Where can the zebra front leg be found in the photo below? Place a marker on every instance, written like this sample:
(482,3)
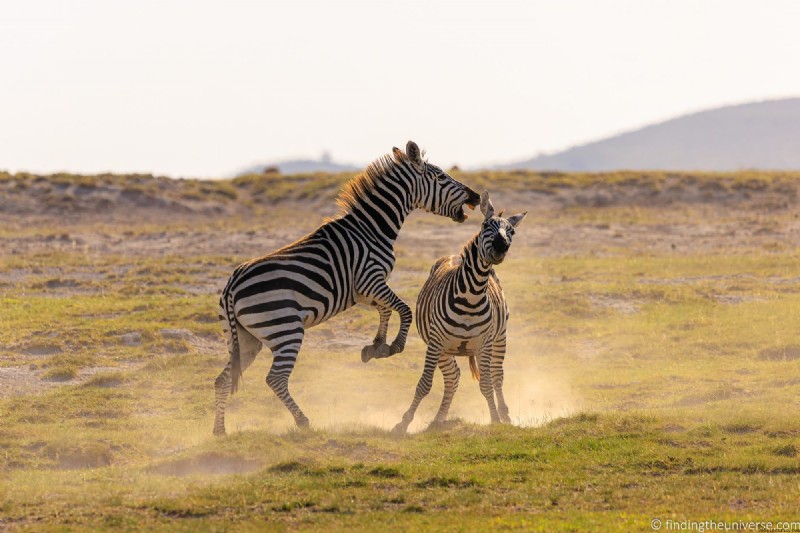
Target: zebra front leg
(385,298)
(423,388)
(378,349)
(451,374)
(284,358)
(498,356)
(395,303)
(484,363)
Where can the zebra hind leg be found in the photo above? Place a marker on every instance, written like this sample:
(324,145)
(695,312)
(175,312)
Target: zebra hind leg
(285,357)
(249,347)
(222,389)
(498,355)
(486,387)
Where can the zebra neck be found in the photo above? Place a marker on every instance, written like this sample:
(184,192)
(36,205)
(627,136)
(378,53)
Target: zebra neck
(380,214)
(473,274)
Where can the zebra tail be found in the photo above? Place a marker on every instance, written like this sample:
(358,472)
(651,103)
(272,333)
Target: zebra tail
(236,363)
(473,367)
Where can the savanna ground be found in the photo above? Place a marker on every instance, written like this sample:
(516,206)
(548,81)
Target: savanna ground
(653,368)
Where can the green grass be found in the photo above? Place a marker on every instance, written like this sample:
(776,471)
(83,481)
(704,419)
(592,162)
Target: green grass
(643,382)
(586,472)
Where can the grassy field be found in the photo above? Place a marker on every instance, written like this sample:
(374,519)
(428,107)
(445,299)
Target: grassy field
(653,368)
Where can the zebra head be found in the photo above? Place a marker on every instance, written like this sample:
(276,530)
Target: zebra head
(496,233)
(435,190)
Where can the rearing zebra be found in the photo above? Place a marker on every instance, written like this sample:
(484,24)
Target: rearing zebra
(272,300)
(461,310)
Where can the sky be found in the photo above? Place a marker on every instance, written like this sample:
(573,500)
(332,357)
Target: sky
(203,88)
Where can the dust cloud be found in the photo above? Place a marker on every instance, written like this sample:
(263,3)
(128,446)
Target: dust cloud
(339,393)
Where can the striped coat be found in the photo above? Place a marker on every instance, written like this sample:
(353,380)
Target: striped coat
(461,311)
(272,300)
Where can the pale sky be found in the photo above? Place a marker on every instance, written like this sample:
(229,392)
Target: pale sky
(202,88)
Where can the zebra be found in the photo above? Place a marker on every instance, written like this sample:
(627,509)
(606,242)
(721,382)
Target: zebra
(461,311)
(271,301)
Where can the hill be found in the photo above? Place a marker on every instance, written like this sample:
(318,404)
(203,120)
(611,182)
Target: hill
(301,166)
(759,135)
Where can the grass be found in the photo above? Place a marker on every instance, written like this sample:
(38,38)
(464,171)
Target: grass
(643,381)
(585,472)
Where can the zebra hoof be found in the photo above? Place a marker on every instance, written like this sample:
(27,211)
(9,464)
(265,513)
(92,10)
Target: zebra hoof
(367,353)
(302,422)
(437,425)
(372,351)
(399,430)
(219,432)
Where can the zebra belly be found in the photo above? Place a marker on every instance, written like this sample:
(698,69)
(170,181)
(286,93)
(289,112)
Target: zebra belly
(465,349)
(267,314)
(463,332)
(459,346)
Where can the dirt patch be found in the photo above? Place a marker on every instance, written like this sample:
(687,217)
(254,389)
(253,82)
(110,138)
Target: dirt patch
(176,333)
(783,353)
(27,379)
(79,459)
(723,392)
(358,451)
(213,344)
(42,349)
(734,299)
(17,380)
(619,304)
(213,464)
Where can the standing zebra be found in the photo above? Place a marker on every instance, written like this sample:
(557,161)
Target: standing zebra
(272,300)
(461,310)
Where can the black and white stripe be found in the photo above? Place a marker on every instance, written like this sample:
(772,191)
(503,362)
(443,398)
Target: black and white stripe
(272,300)
(461,311)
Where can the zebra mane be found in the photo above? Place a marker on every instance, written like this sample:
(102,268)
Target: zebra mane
(366,181)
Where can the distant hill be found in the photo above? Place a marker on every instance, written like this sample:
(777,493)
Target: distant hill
(759,135)
(302,166)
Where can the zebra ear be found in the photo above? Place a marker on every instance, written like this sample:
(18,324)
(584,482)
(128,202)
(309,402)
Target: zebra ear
(398,153)
(516,219)
(486,205)
(413,153)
